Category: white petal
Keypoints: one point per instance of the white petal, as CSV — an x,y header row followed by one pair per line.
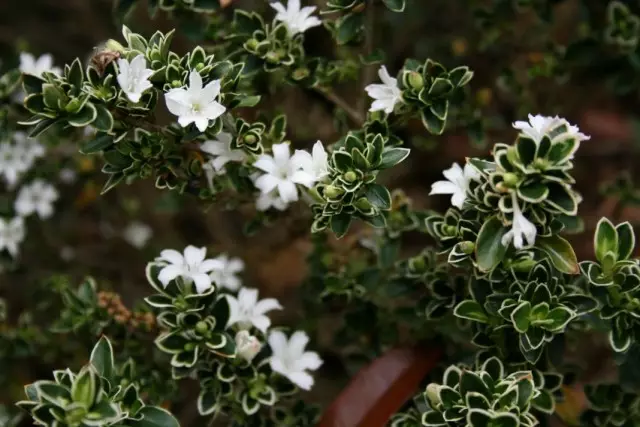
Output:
x,y
288,191
276,363
234,309
195,82
454,174
304,178
248,297
261,322
211,91
297,343
281,154
169,273
278,343
301,379
214,110
210,265
213,147
202,281
267,183
443,187
265,163
458,199
194,255
235,265
172,256
309,360
266,305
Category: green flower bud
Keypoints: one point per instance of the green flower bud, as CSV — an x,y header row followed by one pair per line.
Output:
x,y
74,416
333,192
272,57
300,73
363,204
350,176
467,247
417,264
523,266
510,179
250,139
252,44
114,45
202,327
450,230
73,106
432,395
176,83
540,163
199,66
189,346
415,80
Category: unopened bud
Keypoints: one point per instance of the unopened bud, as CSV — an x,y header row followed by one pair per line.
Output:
x,y
350,176
433,395
467,247
252,44
250,139
415,80
176,83
272,57
247,345
199,66
332,192
510,179
300,73
202,327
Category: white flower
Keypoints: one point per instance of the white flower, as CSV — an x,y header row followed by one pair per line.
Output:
x,y
30,148
11,234
316,165
137,234
457,183
283,172
30,65
247,345
521,228
266,201
133,77
387,94
537,126
13,162
226,274
36,197
195,104
221,151
67,175
192,267
296,19
290,360
246,310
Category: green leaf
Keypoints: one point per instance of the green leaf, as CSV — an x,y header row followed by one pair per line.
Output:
x,y
84,117
560,253
97,144
75,75
393,156
535,192
53,95
207,401
471,310
431,122
349,27
440,109
102,358
544,402
153,416
605,239
489,248
85,387
520,317
379,196
172,343
471,382
440,87
395,5
560,317
104,120
340,224
626,240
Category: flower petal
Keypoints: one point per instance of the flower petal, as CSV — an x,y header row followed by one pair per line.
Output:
x,y
301,379
194,255
266,305
172,256
202,281
169,273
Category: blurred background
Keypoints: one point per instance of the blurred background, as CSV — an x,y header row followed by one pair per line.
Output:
x,y
521,66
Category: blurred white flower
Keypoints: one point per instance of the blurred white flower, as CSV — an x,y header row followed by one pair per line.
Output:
x,y
30,148
195,104
385,95
537,126
12,233
282,173
265,201
226,275
67,175
192,267
290,360
12,163
222,152
247,345
30,65
133,77
247,311
137,234
36,197
457,183
296,18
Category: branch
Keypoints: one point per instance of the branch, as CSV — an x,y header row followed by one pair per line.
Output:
x,y
355,116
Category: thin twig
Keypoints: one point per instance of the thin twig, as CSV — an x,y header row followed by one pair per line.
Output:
x,y
368,72
355,116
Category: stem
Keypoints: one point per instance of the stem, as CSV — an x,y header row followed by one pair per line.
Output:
x,y
355,116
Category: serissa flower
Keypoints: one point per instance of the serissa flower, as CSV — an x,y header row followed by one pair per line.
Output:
x,y
457,183
247,311
290,359
133,77
191,266
297,19
195,104
385,95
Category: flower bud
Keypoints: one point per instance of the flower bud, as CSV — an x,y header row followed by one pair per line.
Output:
x,y
467,247
433,395
247,345
350,176
176,83
415,80
252,44
114,45
510,179
300,73
250,139
202,327
363,204
417,264
199,66
272,57
333,192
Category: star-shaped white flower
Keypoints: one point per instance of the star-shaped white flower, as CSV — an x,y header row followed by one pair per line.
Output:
x,y
247,345
192,267
290,360
13,163
226,275
282,173
30,148
316,164
521,229
296,18
30,65
537,126
457,183
137,234
266,201
195,104
222,152
11,234
133,77
246,310
385,95
37,197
